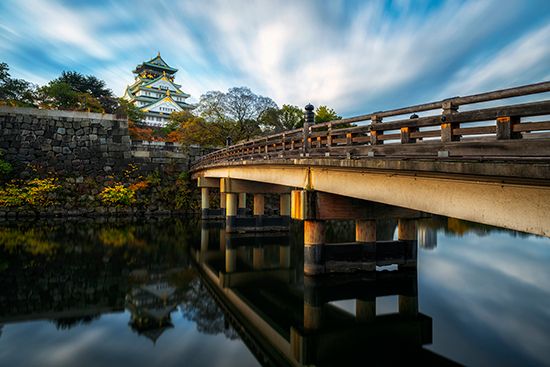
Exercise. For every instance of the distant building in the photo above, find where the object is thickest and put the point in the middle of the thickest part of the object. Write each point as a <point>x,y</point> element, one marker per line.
<point>155,92</point>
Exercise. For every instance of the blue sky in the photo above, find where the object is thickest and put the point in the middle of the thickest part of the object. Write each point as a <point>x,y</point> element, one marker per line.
<point>355,56</point>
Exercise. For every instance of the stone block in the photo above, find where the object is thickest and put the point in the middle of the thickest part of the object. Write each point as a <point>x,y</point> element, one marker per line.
<point>61,130</point>
<point>141,153</point>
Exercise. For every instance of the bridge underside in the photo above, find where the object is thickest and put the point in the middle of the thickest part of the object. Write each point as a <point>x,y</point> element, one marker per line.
<point>505,202</point>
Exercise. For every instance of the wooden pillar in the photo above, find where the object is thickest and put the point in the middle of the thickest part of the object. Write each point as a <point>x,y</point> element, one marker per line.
<point>284,205</point>
<point>314,242</point>
<point>259,204</point>
<point>242,200</point>
<point>505,128</point>
<point>365,231</point>
<point>365,310</point>
<point>258,258</point>
<point>374,134</point>
<point>406,135</point>
<point>284,257</point>
<point>447,125</point>
<point>230,260</point>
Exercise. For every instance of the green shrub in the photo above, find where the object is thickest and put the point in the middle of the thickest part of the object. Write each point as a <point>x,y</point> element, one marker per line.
<point>117,195</point>
<point>36,192</point>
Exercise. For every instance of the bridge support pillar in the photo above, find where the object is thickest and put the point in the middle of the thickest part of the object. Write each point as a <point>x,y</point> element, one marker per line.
<point>406,231</point>
<point>222,202</point>
<point>259,204</point>
<point>231,202</point>
<point>314,243</point>
<point>365,310</point>
<point>284,205</point>
<point>205,201</point>
<point>365,231</point>
<point>242,203</point>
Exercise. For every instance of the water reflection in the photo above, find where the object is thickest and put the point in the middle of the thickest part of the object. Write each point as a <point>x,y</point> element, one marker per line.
<point>175,292</point>
<point>291,320</point>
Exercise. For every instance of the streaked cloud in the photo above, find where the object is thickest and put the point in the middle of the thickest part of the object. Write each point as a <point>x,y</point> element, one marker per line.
<point>353,56</point>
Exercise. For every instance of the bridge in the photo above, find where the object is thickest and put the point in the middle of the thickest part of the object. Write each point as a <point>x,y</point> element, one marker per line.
<point>483,158</point>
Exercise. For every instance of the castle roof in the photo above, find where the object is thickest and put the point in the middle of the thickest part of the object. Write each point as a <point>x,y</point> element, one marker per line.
<point>156,63</point>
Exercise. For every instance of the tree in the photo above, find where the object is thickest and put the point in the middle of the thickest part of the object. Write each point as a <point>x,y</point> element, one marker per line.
<point>211,106</point>
<point>62,96</point>
<point>132,112</point>
<point>287,117</point>
<point>245,109</point>
<point>291,117</point>
<point>15,92</point>
<point>91,85</point>
<point>176,119</point>
<point>239,110</point>
<point>190,129</point>
<point>325,114</point>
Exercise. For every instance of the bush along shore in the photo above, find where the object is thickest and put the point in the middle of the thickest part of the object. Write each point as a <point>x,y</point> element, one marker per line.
<point>130,192</point>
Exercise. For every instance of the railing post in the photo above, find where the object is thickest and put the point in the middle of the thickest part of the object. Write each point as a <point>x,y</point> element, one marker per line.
<point>505,127</point>
<point>406,132</point>
<point>309,119</point>
<point>283,142</point>
<point>329,135</point>
<point>447,126</point>
<point>373,133</point>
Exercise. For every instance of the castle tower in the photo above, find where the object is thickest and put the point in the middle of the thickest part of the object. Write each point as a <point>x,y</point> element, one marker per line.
<point>155,92</point>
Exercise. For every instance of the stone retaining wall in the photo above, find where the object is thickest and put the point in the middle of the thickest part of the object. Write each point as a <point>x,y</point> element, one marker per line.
<point>87,152</point>
<point>80,143</point>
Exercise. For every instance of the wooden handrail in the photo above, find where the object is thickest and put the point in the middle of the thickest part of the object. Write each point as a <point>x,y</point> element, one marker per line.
<point>339,133</point>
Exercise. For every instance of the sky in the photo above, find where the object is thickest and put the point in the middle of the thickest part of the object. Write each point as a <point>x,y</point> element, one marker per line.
<point>354,56</point>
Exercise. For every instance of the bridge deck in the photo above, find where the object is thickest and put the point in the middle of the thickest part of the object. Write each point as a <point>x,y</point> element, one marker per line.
<point>490,165</point>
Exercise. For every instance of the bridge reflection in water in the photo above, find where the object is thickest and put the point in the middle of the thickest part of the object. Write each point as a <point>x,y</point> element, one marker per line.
<point>288,319</point>
<point>165,281</point>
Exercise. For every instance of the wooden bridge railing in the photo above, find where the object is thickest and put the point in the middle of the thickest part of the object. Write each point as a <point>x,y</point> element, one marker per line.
<point>425,136</point>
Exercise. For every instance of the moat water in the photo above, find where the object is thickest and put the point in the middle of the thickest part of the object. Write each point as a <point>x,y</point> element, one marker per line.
<point>158,293</point>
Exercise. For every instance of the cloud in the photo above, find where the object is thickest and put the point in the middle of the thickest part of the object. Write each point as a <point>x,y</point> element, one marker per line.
<point>523,61</point>
<point>354,57</point>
